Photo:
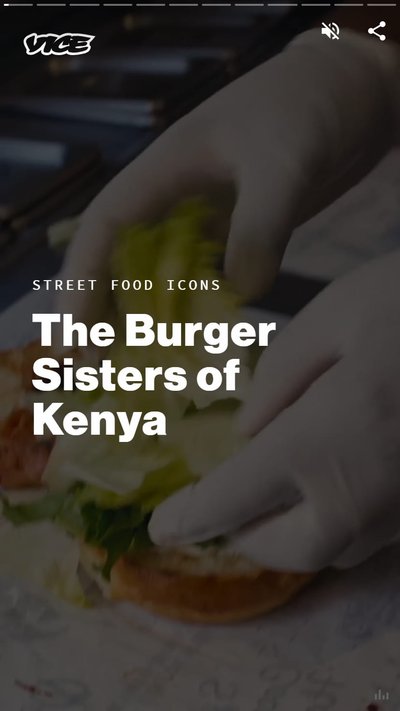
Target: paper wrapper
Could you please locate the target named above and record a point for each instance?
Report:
(336, 647)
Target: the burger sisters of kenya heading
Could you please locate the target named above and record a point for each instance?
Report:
(140, 332)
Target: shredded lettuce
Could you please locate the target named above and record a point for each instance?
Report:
(173, 249)
(176, 248)
(146, 470)
(104, 462)
(117, 531)
(46, 508)
(59, 508)
(102, 518)
(160, 484)
(156, 486)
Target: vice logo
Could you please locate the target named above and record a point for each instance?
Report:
(68, 43)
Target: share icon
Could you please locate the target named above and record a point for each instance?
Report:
(373, 31)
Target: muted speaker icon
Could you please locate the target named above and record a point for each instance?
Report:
(330, 30)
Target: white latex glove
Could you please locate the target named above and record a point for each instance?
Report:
(324, 409)
(273, 146)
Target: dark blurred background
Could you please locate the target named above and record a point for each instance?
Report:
(68, 124)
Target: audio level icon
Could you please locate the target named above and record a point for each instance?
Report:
(381, 695)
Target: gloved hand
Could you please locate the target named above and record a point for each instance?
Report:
(324, 410)
(273, 146)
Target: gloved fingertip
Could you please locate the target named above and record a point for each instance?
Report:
(169, 523)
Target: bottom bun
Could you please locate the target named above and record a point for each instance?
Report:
(195, 584)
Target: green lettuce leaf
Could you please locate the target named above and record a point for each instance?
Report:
(161, 483)
(116, 530)
(60, 508)
(43, 509)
